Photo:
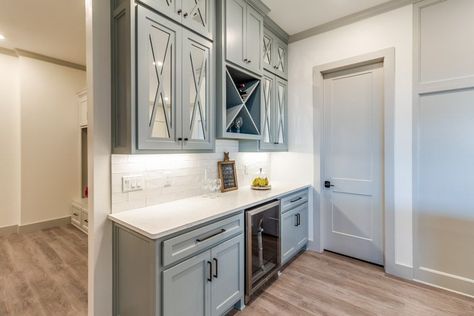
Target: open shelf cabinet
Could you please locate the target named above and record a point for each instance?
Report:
(241, 105)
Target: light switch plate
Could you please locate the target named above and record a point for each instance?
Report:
(133, 183)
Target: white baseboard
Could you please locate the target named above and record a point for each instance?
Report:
(44, 224)
(7, 230)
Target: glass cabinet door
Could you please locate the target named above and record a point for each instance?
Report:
(197, 97)
(169, 8)
(267, 51)
(280, 58)
(268, 109)
(158, 47)
(196, 14)
(281, 124)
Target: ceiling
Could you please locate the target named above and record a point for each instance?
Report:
(55, 28)
(300, 15)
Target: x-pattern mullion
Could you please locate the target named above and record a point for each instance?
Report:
(267, 107)
(280, 60)
(197, 99)
(267, 47)
(280, 108)
(196, 8)
(159, 90)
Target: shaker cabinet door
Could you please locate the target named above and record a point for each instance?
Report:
(289, 221)
(158, 90)
(253, 40)
(228, 274)
(302, 228)
(235, 11)
(187, 287)
(197, 94)
(197, 15)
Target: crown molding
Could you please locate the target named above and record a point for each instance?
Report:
(349, 19)
(24, 53)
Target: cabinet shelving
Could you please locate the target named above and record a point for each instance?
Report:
(243, 95)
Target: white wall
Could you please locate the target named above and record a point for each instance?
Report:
(39, 139)
(391, 29)
(49, 139)
(9, 141)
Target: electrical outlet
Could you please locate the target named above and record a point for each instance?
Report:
(133, 183)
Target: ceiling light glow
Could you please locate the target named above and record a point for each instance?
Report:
(2, 37)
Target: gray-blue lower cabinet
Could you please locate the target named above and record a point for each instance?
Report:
(187, 287)
(207, 284)
(227, 285)
(151, 278)
(294, 231)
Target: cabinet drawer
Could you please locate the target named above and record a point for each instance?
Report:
(187, 244)
(295, 199)
(85, 220)
(75, 215)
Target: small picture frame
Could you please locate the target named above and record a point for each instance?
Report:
(227, 174)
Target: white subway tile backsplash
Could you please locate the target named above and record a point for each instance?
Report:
(178, 176)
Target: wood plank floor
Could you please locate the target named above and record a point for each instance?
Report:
(44, 273)
(329, 284)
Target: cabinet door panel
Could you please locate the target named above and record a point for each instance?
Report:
(197, 15)
(280, 59)
(166, 7)
(254, 39)
(158, 91)
(302, 228)
(186, 287)
(268, 109)
(288, 237)
(228, 274)
(267, 50)
(197, 92)
(235, 31)
(281, 118)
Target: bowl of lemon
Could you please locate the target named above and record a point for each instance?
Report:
(261, 182)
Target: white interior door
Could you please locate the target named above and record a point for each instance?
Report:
(353, 163)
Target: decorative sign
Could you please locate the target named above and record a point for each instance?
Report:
(227, 174)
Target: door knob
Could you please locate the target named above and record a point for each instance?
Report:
(327, 184)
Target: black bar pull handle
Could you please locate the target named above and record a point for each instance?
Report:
(209, 264)
(217, 268)
(210, 236)
(296, 200)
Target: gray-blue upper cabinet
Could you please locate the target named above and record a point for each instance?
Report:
(275, 116)
(197, 93)
(194, 14)
(163, 83)
(159, 45)
(243, 35)
(275, 54)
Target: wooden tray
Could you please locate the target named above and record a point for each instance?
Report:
(268, 187)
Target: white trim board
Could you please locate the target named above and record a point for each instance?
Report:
(387, 57)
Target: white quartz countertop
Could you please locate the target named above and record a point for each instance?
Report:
(164, 219)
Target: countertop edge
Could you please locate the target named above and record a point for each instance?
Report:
(112, 217)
